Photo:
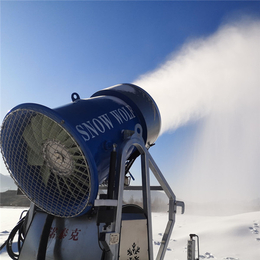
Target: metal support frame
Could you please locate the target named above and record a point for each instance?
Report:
(173, 203)
(147, 163)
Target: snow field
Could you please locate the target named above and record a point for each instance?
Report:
(223, 237)
(234, 237)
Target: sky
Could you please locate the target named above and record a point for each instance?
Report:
(199, 60)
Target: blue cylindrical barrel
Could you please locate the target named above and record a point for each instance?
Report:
(58, 157)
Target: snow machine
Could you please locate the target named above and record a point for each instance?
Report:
(73, 163)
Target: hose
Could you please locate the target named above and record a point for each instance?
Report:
(9, 242)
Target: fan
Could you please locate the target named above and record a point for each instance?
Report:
(58, 157)
(54, 150)
(57, 172)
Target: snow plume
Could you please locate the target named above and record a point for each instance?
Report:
(218, 79)
(206, 75)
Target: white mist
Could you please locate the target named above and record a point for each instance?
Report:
(218, 79)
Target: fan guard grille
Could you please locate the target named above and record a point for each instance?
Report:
(46, 162)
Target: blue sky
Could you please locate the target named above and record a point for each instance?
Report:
(50, 49)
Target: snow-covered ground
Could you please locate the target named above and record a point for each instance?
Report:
(221, 237)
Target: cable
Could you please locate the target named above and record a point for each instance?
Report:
(21, 234)
(9, 242)
(103, 249)
(98, 238)
(3, 245)
(21, 215)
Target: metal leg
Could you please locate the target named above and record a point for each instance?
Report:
(147, 163)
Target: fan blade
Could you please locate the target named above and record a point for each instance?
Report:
(45, 172)
(46, 127)
(83, 181)
(55, 130)
(30, 139)
(33, 158)
(62, 136)
(68, 186)
(74, 150)
(58, 185)
(36, 124)
(85, 167)
(77, 157)
(69, 142)
(76, 184)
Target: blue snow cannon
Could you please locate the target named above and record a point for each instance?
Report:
(59, 157)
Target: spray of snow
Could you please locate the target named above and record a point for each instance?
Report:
(215, 78)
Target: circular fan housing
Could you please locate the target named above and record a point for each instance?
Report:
(46, 162)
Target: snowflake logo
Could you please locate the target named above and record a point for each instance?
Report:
(133, 252)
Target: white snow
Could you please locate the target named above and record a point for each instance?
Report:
(235, 237)
(221, 237)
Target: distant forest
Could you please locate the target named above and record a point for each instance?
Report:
(10, 198)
